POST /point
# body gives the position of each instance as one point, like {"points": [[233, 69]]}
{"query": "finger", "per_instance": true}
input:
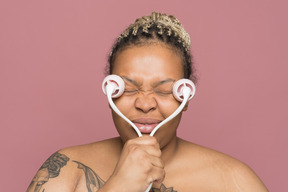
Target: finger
{"points": [[151, 150], [157, 162], [144, 140], [156, 175]]}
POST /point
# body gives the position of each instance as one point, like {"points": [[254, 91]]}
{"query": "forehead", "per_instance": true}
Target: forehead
{"points": [[152, 60]]}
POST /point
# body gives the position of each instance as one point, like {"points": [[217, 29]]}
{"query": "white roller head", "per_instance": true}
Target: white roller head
{"points": [[117, 83], [178, 89]]}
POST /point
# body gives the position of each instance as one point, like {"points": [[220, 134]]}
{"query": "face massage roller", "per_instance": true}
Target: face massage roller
{"points": [[183, 90]]}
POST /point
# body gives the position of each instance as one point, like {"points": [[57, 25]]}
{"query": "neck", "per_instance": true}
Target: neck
{"points": [[169, 151]]}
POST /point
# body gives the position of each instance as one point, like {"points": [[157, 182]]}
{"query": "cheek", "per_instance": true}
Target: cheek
{"points": [[124, 104], [167, 106]]}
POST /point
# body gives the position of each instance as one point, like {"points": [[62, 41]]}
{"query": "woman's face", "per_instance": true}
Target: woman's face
{"points": [[149, 72]]}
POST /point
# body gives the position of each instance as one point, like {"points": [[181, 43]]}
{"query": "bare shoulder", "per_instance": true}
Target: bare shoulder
{"points": [[223, 172], [98, 157], [75, 168], [94, 151]]}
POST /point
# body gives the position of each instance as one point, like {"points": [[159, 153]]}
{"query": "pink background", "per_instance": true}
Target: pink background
{"points": [[52, 56]]}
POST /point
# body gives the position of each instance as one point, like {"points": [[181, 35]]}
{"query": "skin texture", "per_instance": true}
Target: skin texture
{"points": [[128, 163], [145, 97]]}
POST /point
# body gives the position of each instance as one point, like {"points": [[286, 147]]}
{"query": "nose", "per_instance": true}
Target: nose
{"points": [[145, 102]]}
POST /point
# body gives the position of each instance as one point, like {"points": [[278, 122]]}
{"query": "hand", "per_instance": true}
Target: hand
{"points": [[140, 164]]}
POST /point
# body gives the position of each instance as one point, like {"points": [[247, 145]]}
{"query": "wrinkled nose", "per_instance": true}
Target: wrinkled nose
{"points": [[146, 102]]}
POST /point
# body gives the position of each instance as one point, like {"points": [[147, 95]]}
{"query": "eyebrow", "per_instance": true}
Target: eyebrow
{"points": [[163, 82], [154, 84], [131, 81]]}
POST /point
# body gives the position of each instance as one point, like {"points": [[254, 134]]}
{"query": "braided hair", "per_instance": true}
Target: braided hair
{"points": [[154, 29]]}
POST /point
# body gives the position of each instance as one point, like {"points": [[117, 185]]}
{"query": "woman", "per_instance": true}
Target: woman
{"points": [[150, 56]]}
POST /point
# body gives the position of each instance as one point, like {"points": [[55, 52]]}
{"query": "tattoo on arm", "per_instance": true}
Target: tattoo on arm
{"points": [[50, 169], [93, 181]]}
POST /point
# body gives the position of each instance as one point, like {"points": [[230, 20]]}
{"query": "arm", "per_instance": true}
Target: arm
{"points": [[49, 171], [140, 163]]}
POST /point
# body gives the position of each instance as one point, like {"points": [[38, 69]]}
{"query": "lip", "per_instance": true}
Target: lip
{"points": [[146, 125]]}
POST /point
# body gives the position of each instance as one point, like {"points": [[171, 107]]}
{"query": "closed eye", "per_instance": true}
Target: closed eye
{"points": [[162, 92], [130, 91]]}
